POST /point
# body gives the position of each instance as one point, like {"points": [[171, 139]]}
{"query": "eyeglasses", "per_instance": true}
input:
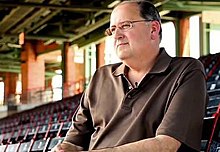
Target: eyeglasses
{"points": [[124, 26]]}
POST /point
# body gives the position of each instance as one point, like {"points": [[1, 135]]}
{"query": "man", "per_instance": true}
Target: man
{"points": [[148, 103]]}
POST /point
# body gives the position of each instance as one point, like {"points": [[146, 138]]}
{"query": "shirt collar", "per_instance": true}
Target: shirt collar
{"points": [[162, 63]]}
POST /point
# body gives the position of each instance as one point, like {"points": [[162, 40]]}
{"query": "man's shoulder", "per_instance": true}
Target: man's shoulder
{"points": [[189, 62], [103, 73], [109, 67]]}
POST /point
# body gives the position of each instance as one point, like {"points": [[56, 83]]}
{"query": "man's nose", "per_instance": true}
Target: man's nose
{"points": [[118, 34]]}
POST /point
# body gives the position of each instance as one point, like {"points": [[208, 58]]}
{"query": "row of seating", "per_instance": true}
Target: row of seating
{"points": [[38, 129], [211, 133], [41, 121], [42, 145], [55, 112], [40, 138], [211, 127], [38, 132], [211, 63]]}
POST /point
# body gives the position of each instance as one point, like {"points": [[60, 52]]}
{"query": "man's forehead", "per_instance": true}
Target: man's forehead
{"points": [[124, 12], [130, 6]]}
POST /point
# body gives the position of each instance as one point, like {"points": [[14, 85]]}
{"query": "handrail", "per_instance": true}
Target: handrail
{"points": [[48, 94]]}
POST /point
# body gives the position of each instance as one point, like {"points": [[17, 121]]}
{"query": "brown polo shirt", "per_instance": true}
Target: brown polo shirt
{"points": [[170, 100]]}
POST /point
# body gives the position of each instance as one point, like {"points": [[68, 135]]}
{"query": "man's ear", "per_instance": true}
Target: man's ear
{"points": [[155, 29]]}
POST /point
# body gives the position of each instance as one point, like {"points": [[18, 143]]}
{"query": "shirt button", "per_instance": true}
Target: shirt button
{"points": [[129, 96]]}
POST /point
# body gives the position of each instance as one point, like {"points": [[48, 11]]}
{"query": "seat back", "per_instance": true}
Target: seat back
{"points": [[12, 148], [214, 140], [53, 142]]}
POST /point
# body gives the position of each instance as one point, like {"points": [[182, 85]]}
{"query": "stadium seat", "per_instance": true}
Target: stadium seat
{"points": [[12, 147], [25, 147], [7, 137], [206, 132], [42, 132], [210, 111], [23, 132], [39, 145], [53, 130], [213, 102], [14, 137], [214, 77], [214, 140], [65, 128], [2, 148], [53, 142]]}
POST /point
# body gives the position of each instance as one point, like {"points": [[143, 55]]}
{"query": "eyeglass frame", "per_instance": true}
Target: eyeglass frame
{"points": [[108, 31]]}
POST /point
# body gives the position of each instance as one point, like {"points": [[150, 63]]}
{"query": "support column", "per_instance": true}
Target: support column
{"points": [[177, 27], [68, 70], [100, 55], [33, 73], [79, 64], [10, 82], [204, 38], [184, 37]]}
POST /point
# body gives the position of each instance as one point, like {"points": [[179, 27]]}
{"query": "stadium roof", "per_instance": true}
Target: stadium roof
{"points": [[76, 21]]}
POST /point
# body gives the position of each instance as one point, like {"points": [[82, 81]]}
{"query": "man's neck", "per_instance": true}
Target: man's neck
{"points": [[136, 73]]}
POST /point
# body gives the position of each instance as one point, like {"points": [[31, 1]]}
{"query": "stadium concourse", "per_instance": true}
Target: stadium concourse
{"points": [[49, 49]]}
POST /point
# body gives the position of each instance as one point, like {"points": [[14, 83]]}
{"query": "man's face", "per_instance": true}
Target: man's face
{"points": [[133, 42]]}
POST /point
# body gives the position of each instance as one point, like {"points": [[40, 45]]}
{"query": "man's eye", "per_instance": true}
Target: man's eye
{"points": [[112, 29], [125, 26]]}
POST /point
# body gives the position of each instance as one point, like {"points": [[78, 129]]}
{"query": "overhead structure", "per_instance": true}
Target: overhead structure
{"points": [[78, 22]]}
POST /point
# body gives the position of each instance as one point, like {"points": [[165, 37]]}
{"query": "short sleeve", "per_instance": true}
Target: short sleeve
{"points": [[183, 117]]}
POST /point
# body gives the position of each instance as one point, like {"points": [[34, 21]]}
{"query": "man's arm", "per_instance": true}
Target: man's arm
{"points": [[160, 143]]}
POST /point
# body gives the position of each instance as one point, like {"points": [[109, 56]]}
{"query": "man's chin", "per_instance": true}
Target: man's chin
{"points": [[123, 52], [122, 57]]}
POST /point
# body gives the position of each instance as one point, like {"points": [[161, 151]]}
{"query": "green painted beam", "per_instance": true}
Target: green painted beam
{"points": [[2, 69], [18, 70], [79, 8], [190, 7], [199, 1]]}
